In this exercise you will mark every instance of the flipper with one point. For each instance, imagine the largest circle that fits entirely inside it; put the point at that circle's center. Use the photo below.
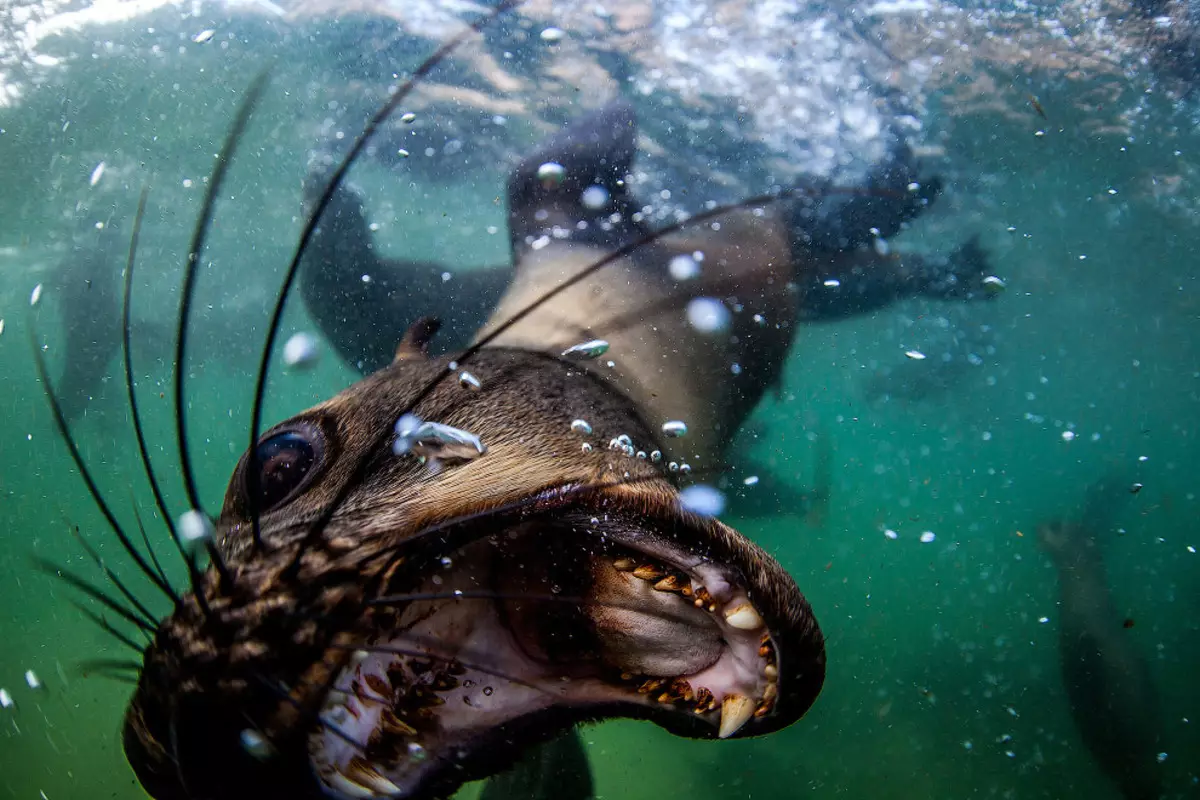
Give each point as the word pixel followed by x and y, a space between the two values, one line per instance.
pixel 557 770
pixel 835 221
pixel 362 301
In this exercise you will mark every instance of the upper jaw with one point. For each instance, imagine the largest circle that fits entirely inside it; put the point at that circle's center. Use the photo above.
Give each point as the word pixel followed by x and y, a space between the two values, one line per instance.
pixel 682 621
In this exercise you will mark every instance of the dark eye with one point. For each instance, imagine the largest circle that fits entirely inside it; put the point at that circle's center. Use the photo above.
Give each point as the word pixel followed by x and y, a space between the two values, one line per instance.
pixel 285 462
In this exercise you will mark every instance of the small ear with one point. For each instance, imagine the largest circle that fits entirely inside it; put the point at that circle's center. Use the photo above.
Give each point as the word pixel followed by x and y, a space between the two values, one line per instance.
pixel 415 344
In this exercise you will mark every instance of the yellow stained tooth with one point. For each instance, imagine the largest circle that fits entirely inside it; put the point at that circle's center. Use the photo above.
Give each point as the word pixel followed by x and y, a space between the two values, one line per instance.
pixel 647 573
pixel 624 564
pixel 770 672
pixel 671 583
pixel 736 710
pixel 349 788
pixel 366 775
pixel 743 617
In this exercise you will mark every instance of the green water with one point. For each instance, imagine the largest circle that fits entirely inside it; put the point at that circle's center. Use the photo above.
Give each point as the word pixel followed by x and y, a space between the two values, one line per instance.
pixel 942 680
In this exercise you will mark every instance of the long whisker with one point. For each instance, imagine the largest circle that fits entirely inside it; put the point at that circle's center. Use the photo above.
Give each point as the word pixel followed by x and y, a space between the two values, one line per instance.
pixel 112 577
pixel 57 571
pixel 483 594
pixel 135 409
pixel 424 641
pixel 115 676
pixel 249 103
pixel 64 432
pixel 123 664
pixel 146 542
pixel 556 492
pixel 283 694
pixel 173 736
pixel 310 227
pixel 107 627
pixel 357 475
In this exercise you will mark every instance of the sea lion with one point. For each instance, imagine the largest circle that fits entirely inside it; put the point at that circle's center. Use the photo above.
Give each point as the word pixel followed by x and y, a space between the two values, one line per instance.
pixel 672 616
pixel 835 230
pixel 1111 695
pixel 458 557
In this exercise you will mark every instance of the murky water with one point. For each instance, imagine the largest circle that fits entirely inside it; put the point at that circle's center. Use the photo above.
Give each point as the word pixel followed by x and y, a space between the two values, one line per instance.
pixel 1066 140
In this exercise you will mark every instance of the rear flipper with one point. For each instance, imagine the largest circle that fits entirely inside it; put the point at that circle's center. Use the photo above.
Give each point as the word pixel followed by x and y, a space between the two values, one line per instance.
pixel 557 770
pixel 893 195
pixel 836 231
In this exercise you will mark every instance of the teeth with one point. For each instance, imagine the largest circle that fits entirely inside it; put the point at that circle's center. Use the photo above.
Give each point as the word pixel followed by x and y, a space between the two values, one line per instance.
pixel 339 782
pixel 671 583
pixel 743 617
pixel 366 776
pixel 624 564
pixel 771 672
pixel 736 710
pixel 647 573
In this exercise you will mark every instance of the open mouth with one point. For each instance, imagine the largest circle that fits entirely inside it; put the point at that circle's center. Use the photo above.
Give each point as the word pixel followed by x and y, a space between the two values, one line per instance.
pixel 523 632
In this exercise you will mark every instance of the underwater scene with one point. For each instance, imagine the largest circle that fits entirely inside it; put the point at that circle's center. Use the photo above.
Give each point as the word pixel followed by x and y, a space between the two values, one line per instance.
pixel 598 399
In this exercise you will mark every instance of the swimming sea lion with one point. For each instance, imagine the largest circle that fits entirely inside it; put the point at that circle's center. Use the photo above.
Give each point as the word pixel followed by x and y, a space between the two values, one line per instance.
pixel 1108 685
pixel 457 558
pixel 836 233
pixel 672 616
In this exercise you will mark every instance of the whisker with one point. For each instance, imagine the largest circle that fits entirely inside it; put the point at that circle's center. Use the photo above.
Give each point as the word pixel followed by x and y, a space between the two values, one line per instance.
pixel 122 664
pixel 112 577
pixel 483 594
pixel 173 736
pixel 146 540
pixel 135 409
pixel 283 694
pixel 195 250
pixel 558 492
pixel 357 474
pixel 64 432
pixel 91 591
pixel 107 627
pixel 424 641
pixel 314 218
pixel 116 677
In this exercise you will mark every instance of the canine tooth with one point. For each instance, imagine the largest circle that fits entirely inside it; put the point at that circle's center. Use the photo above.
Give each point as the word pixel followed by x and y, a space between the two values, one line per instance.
pixel 366 775
pixel 625 564
pixel 771 672
pixel 671 583
pixel 349 788
pixel 743 617
pixel 736 710
pixel 647 573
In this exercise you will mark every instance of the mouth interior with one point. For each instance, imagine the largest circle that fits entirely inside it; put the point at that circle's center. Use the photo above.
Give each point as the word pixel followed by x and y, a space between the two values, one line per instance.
pixel 638 628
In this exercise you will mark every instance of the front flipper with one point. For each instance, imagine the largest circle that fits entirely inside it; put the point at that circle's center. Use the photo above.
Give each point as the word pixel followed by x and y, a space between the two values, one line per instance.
pixel 557 770
pixel 362 302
